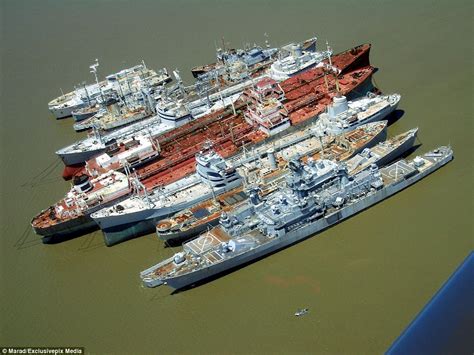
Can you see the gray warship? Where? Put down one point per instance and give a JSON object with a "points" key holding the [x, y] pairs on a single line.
{"points": [[313, 200]]}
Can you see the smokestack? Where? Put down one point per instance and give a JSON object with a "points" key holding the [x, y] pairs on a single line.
{"points": [[272, 159]]}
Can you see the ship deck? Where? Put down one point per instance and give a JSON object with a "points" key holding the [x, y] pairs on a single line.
{"points": [[397, 172], [207, 241], [312, 99], [208, 210]]}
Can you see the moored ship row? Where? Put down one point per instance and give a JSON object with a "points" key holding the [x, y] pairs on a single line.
{"points": [[229, 135], [265, 148]]}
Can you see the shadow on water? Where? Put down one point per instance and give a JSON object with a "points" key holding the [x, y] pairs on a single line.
{"points": [[59, 238], [223, 273], [394, 116], [410, 151]]}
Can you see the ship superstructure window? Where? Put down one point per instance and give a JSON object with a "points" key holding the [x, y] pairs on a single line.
{"points": [[213, 174]]}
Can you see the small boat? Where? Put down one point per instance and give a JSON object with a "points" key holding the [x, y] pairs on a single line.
{"points": [[301, 312]]}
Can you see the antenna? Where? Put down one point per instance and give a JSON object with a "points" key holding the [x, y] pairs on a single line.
{"points": [[326, 79], [93, 70], [332, 68], [87, 93]]}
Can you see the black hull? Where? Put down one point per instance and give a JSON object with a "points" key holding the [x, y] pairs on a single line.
{"points": [[122, 233], [67, 230], [177, 238]]}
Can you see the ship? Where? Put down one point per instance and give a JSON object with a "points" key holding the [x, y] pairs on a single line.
{"points": [[129, 153], [114, 117], [138, 215], [254, 57], [383, 153], [85, 112], [308, 205], [96, 142], [194, 220], [92, 109], [89, 95], [293, 59], [343, 115], [176, 112], [205, 215], [71, 215]]}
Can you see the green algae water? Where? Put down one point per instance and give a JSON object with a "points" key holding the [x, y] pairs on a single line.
{"points": [[363, 280]]}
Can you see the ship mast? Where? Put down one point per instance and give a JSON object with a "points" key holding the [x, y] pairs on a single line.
{"points": [[130, 92], [122, 94], [96, 131], [93, 70], [87, 93], [331, 68]]}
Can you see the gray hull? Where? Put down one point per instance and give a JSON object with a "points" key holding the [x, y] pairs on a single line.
{"points": [[118, 229], [396, 153], [292, 237], [379, 116], [79, 157], [79, 116]]}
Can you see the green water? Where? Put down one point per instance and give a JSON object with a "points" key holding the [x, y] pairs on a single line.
{"points": [[363, 280]]}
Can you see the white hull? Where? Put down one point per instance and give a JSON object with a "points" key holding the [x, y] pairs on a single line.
{"points": [[63, 112], [79, 157]]}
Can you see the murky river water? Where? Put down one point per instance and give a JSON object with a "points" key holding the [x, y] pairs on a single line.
{"points": [[363, 280]]}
